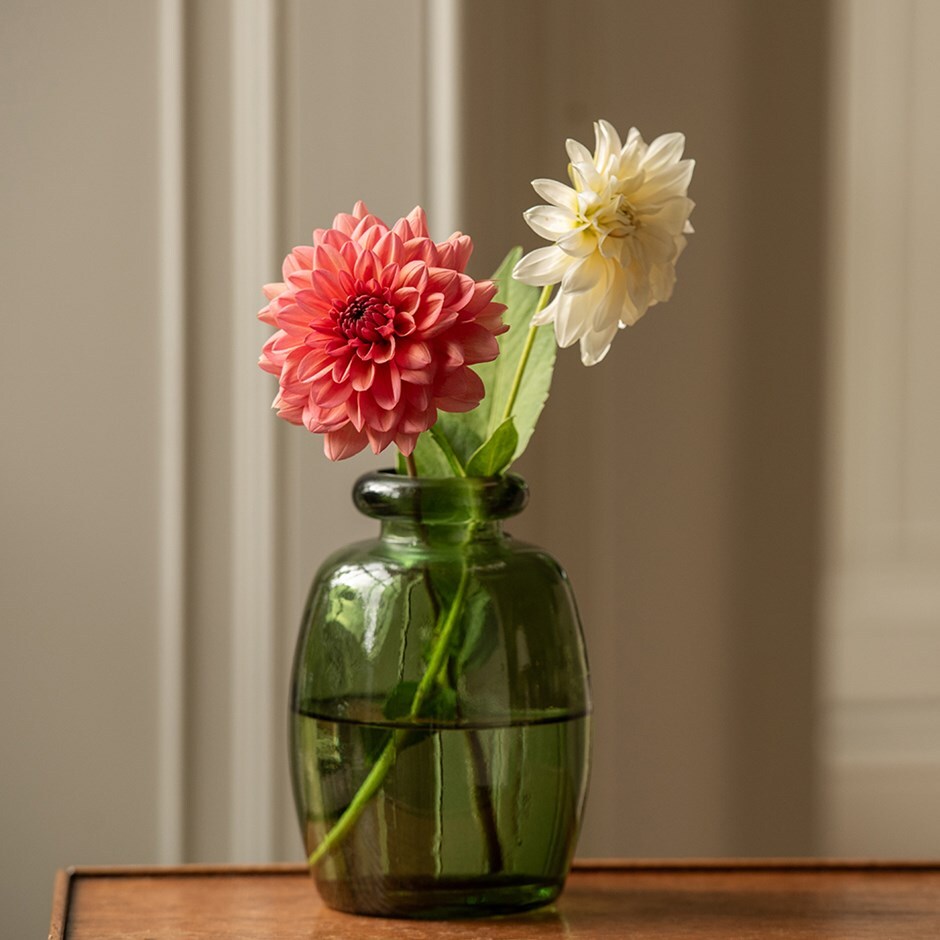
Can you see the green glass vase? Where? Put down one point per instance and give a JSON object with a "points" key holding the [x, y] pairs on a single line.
{"points": [[440, 727]]}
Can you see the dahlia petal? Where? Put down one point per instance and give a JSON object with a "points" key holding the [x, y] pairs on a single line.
{"points": [[417, 423], [483, 293], [383, 352], [367, 266], [584, 274], [326, 258], [406, 299], [346, 442], [607, 143], [299, 259], [415, 355], [556, 193], [363, 230], [577, 152], [578, 243], [671, 180], [379, 440], [455, 252], [390, 249], [449, 354], [294, 321], [418, 222], [361, 374], [418, 397], [313, 366], [386, 386], [403, 323], [354, 410], [266, 315], [571, 317], [327, 394], [420, 249], [406, 442], [416, 376], [542, 266], [477, 344], [429, 312], [594, 345], [665, 149], [381, 419], [463, 387], [659, 245], [586, 177], [414, 274], [549, 221]]}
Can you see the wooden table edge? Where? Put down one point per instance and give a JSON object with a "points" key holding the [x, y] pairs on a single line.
{"points": [[66, 877]]}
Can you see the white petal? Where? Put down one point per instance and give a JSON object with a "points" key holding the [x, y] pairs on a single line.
{"points": [[594, 345], [549, 221], [663, 151], [577, 153], [608, 309], [586, 177], [584, 275], [571, 318], [542, 266], [557, 194], [659, 245], [607, 143], [669, 181], [546, 314], [578, 242]]}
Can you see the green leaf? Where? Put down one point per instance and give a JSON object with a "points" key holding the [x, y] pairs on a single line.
{"points": [[496, 453], [429, 458], [469, 431], [480, 633]]}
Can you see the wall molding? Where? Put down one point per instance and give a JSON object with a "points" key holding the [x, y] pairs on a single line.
{"points": [[252, 690], [443, 109], [172, 397]]}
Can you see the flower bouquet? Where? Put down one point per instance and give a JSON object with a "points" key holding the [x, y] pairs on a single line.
{"points": [[440, 705]]}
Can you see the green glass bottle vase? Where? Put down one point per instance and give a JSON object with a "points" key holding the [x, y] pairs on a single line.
{"points": [[440, 727]]}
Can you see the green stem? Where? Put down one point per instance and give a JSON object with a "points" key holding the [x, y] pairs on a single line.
{"points": [[441, 438], [526, 352], [411, 465], [386, 761]]}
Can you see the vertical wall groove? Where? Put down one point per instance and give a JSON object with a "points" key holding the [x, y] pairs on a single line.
{"points": [[172, 437], [443, 110], [253, 451]]}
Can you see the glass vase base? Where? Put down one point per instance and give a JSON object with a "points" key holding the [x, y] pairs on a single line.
{"points": [[438, 899]]}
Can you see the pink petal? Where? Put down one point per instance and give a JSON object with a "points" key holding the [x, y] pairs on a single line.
{"points": [[337, 445]]}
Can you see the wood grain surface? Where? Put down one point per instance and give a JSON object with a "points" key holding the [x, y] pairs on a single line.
{"points": [[730, 900]]}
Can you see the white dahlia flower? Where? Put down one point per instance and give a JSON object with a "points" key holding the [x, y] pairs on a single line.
{"points": [[617, 231]]}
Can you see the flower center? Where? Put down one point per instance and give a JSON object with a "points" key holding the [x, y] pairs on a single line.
{"points": [[626, 222], [367, 316]]}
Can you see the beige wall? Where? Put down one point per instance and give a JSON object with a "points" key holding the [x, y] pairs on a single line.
{"points": [[79, 478], [160, 526]]}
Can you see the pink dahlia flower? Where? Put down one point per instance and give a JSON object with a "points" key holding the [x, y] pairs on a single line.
{"points": [[377, 327]]}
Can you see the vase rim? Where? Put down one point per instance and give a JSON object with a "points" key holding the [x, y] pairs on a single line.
{"points": [[385, 494]]}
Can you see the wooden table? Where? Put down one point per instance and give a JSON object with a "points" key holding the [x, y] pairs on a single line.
{"points": [[636, 900]]}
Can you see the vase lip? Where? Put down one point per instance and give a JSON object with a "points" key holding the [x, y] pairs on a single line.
{"points": [[385, 494]]}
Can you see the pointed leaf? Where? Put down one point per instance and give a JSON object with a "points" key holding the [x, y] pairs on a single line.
{"points": [[430, 459], [495, 454]]}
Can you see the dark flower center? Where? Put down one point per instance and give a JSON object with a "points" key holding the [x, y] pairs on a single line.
{"points": [[367, 316]]}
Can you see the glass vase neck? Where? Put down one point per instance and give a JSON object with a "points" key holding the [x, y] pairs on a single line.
{"points": [[443, 508]]}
